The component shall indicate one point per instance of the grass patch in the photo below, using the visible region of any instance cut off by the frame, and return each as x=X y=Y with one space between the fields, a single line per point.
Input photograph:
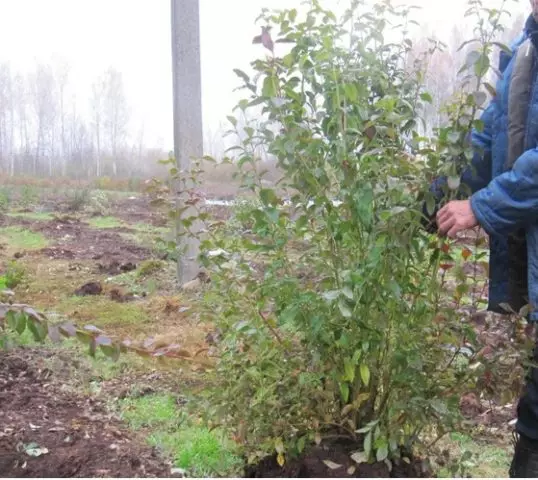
x=192 y=447
x=105 y=222
x=487 y=460
x=103 y=312
x=22 y=239
x=39 y=216
x=149 y=267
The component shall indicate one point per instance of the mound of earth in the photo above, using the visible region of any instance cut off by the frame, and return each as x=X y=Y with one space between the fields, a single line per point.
x=334 y=461
x=47 y=432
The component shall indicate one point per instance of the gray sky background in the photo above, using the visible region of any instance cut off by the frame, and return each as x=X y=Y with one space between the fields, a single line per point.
x=134 y=37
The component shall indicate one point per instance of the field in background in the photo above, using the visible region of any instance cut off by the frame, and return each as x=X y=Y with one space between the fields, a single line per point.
x=217 y=181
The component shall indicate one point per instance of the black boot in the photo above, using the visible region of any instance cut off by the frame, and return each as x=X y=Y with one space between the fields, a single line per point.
x=525 y=461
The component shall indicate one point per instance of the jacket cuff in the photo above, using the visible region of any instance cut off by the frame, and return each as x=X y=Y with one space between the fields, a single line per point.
x=478 y=209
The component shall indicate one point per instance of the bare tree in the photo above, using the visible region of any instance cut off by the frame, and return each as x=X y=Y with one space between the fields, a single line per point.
x=98 y=91
x=62 y=78
x=7 y=120
x=116 y=114
x=43 y=85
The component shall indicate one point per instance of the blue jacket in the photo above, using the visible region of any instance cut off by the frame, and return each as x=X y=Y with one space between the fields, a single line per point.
x=505 y=200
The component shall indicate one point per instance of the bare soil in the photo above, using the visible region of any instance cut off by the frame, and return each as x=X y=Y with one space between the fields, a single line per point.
x=73 y=436
x=334 y=461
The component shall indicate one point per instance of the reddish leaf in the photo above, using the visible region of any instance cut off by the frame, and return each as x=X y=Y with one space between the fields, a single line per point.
x=67 y=329
x=92 y=329
x=466 y=253
x=445 y=248
x=446 y=266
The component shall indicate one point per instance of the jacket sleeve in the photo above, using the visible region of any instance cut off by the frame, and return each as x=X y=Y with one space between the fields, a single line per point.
x=510 y=200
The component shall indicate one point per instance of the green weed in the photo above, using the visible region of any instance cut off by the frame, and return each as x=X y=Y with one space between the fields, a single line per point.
x=105 y=222
x=483 y=459
x=192 y=447
x=39 y=216
x=103 y=312
x=14 y=274
x=22 y=238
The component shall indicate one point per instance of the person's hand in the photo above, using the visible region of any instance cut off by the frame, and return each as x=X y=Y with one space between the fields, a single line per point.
x=455 y=217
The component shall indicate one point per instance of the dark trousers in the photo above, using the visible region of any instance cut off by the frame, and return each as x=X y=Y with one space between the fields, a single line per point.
x=527 y=409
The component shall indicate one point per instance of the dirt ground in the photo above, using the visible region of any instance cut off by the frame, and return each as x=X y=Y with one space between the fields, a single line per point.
x=46 y=432
x=48 y=427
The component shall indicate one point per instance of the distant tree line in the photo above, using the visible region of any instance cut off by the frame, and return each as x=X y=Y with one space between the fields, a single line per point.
x=43 y=131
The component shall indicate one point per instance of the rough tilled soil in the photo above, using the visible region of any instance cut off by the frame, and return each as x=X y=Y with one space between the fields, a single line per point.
x=311 y=464
x=78 y=240
x=74 y=436
x=139 y=209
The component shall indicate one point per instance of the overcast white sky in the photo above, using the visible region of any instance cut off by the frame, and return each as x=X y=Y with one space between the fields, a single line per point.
x=134 y=36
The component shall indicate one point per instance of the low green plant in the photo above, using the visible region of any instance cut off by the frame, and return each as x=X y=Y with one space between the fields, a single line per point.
x=193 y=448
x=149 y=267
x=467 y=457
x=78 y=199
x=105 y=222
x=13 y=274
x=5 y=198
x=29 y=195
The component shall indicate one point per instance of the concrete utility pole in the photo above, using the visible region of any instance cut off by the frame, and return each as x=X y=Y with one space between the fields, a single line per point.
x=188 y=133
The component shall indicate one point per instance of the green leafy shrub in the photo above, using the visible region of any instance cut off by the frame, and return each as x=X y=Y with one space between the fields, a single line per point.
x=5 y=199
x=29 y=195
x=14 y=274
x=78 y=199
x=334 y=313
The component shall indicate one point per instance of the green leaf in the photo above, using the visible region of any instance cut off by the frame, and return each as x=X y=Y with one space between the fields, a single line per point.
x=367 y=444
x=331 y=295
x=382 y=451
x=472 y=57
x=430 y=203
x=39 y=332
x=453 y=182
x=344 y=391
x=269 y=197
x=426 y=97
x=348 y=292
x=269 y=88
x=481 y=67
x=12 y=319
x=454 y=137
x=365 y=374
x=503 y=47
x=242 y=75
x=345 y=310
x=111 y=351
x=22 y=322
x=301 y=444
